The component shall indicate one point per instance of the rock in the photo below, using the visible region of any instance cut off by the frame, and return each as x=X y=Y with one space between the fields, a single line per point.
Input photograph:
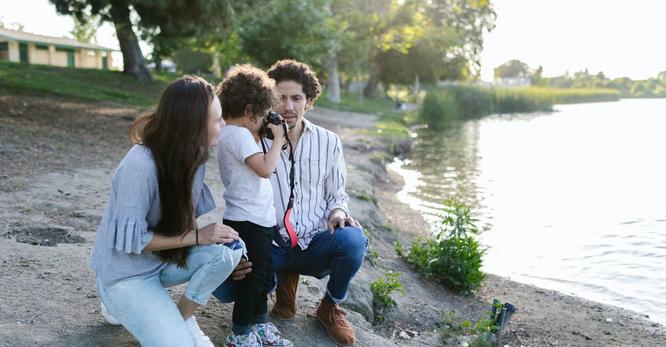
x=359 y=298
x=404 y=335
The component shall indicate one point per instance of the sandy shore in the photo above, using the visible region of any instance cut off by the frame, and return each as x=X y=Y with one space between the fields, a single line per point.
x=57 y=158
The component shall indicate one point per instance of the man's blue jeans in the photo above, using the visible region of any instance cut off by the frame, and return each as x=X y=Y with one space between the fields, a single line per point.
x=339 y=256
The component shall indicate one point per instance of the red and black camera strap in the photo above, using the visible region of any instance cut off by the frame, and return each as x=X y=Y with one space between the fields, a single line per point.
x=286 y=219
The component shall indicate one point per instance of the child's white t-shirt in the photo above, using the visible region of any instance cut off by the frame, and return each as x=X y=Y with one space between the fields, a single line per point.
x=247 y=196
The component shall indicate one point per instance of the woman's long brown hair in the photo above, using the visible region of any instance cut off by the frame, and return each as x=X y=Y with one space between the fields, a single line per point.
x=177 y=135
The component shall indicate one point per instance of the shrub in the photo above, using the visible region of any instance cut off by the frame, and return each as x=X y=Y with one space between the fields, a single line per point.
x=454 y=257
x=382 y=288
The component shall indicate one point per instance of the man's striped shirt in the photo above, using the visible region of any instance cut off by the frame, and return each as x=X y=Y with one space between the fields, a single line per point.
x=320 y=176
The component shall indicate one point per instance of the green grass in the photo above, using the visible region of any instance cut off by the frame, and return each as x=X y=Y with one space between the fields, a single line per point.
x=459 y=102
x=82 y=84
x=390 y=122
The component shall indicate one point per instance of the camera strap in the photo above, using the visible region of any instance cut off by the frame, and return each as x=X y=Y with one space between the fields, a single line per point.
x=286 y=219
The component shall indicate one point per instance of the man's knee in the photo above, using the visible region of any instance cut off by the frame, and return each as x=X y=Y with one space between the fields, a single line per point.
x=351 y=241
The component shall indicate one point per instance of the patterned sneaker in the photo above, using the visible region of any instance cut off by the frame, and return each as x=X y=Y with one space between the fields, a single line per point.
x=200 y=339
x=107 y=316
x=270 y=335
x=249 y=340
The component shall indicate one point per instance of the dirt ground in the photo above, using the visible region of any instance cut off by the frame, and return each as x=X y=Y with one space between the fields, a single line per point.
x=56 y=160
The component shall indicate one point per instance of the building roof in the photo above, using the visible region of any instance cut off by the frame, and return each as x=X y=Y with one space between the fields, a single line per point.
x=49 y=40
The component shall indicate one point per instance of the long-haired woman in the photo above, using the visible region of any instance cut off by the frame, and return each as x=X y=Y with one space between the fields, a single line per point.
x=148 y=238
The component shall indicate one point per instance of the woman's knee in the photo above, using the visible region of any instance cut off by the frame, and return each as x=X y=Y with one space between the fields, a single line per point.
x=221 y=255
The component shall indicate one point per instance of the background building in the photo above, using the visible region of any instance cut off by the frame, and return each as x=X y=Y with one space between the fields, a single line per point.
x=18 y=46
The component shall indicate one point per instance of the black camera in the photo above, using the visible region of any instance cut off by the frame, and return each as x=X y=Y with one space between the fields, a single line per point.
x=271 y=118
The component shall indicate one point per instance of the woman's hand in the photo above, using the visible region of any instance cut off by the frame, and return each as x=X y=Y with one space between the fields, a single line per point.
x=216 y=233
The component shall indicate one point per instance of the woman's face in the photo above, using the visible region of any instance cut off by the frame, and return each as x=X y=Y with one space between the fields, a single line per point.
x=215 y=121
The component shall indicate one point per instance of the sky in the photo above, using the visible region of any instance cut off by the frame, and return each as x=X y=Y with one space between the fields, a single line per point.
x=618 y=37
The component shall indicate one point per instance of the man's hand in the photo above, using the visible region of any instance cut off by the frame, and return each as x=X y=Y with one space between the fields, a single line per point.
x=338 y=218
x=242 y=269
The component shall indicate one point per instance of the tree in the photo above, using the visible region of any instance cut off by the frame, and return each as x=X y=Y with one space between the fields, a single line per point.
x=394 y=28
x=164 y=23
x=512 y=69
x=662 y=76
x=431 y=39
x=296 y=29
x=86 y=30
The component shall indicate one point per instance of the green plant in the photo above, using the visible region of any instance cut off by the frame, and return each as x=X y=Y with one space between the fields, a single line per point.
x=373 y=257
x=365 y=197
x=382 y=288
x=398 y=249
x=454 y=325
x=454 y=257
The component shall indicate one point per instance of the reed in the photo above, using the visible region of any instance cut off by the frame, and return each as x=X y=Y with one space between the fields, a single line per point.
x=463 y=101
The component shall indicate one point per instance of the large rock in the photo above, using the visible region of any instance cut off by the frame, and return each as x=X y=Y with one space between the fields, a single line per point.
x=359 y=298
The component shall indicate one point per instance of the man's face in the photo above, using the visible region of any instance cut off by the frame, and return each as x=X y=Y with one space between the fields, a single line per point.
x=293 y=104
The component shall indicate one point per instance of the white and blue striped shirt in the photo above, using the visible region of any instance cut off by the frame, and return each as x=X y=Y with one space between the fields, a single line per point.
x=320 y=176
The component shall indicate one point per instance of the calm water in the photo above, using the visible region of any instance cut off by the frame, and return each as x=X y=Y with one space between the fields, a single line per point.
x=573 y=200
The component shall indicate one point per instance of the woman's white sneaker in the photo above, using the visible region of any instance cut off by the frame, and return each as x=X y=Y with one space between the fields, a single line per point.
x=107 y=316
x=200 y=339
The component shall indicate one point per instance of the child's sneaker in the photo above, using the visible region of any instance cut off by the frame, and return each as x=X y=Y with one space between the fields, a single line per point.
x=270 y=335
x=249 y=340
x=200 y=339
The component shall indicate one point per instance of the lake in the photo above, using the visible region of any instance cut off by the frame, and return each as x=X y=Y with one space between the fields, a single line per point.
x=573 y=200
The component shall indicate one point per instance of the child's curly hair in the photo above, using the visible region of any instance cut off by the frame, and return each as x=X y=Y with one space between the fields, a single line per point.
x=246 y=86
x=291 y=70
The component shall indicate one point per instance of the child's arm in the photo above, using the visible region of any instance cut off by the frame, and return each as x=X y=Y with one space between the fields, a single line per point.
x=264 y=164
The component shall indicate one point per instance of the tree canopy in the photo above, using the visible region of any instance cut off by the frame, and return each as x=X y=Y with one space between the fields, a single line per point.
x=375 y=41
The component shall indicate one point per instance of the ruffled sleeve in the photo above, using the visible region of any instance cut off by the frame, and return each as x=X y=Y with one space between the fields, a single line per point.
x=129 y=234
x=206 y=203
x=134 y=190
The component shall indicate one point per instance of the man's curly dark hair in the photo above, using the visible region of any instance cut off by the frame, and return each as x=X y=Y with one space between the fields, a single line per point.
x=291 y=70
x=243 y=86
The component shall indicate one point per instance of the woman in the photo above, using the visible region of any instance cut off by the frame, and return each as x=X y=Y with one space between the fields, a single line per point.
x=148 y=238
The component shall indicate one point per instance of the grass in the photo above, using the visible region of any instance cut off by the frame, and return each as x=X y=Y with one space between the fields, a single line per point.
x=460 y=102
x=82 y=84
x=390 y=122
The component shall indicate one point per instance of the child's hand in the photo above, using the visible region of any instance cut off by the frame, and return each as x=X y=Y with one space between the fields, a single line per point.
x=278 y=131
x=217 y=233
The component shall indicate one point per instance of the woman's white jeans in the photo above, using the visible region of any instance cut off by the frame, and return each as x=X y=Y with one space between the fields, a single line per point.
x=145 y=309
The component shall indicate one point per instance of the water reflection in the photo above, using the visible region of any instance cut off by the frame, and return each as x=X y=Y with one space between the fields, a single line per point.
x=572 y=201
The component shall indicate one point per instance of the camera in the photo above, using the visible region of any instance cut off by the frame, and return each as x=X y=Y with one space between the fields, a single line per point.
x=271 y=118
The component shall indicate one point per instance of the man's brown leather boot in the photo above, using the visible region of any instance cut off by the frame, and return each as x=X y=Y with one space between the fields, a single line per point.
x=285 y=297
x=337 y=326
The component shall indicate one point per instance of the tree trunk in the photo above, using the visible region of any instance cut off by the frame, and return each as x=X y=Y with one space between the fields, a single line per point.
x=370 y=90
x=133 y=61
x=333 y=93
x=158 y=63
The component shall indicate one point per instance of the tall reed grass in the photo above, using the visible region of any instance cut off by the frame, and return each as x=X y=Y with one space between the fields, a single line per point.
x=459 y=102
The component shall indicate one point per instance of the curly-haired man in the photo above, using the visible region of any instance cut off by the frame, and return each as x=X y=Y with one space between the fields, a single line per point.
x=320 y=238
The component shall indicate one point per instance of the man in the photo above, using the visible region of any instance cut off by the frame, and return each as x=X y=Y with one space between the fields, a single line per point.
x=328 y=241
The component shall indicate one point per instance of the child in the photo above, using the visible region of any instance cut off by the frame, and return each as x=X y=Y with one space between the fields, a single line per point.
x=247 y=94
